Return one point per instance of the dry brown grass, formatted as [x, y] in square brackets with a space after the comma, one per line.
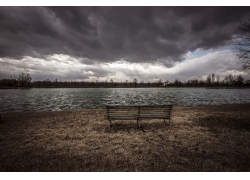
[211, 138]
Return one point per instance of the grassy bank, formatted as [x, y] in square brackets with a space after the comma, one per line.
[209, 138]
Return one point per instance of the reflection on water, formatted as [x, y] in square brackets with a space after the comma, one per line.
[68, 99]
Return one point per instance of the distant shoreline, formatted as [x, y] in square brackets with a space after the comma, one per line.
[244, 87]
[241, 87]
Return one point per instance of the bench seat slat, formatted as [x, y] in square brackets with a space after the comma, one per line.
[122, 114]
[155, 110]
[123, 118]
[125, 114]
[123, 111]
[119, 109]
[141, 110]
[151, 117]
[158, 106]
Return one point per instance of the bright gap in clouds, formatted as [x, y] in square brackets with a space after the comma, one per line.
[64, 67]
[198, 53]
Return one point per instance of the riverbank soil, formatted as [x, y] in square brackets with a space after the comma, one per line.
[204, 138]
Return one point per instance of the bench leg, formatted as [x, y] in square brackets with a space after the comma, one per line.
[165, 122]
[110, 125]
[169, 124]
[138, 124]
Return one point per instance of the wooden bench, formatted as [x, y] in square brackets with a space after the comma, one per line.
[138, 113]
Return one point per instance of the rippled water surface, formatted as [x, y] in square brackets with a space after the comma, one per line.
[50, 99]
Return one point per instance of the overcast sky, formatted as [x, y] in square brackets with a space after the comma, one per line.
[119, 43]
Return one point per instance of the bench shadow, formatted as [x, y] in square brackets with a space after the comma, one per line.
[152, 125]
[216, 123]
[123, 126]
[131, 126]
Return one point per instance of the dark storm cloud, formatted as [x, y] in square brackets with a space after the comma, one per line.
[136, 34]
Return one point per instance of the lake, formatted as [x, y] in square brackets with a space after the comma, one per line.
[52, 99]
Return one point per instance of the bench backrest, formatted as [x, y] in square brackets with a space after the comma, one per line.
[135, 112]
[155, 111]
[122, 112]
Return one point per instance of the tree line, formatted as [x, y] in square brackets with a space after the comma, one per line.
[212, 80]
[21, 80]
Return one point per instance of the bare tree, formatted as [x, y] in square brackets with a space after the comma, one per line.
[242, 44]
[135, 81]
[177, 82]
[231, 79]
[226, 80]
[28, 79]
[22, 78]
[213, 78]
[14, 79]
[56, 82]
[218, 79]
[208, 80]
[239, 80]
